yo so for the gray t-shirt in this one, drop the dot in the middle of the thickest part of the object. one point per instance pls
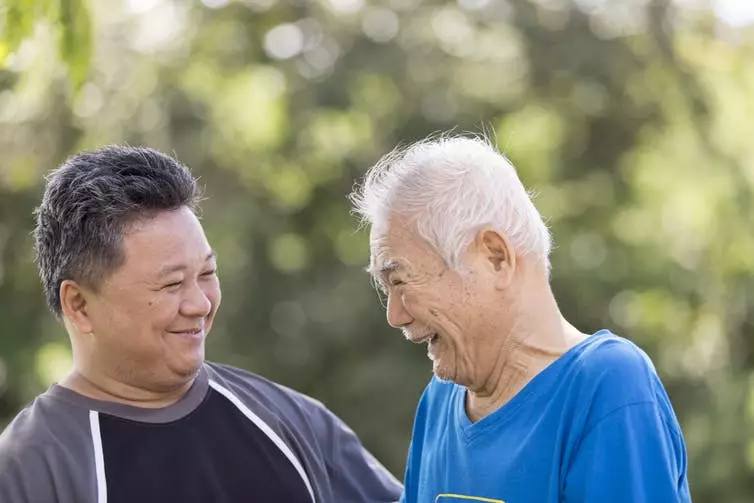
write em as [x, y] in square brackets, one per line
[234, 437]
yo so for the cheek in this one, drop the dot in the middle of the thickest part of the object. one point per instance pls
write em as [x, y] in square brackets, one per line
[158, 311]
[126, 328]
[416, 302]
[125, 313]
[426, 303]
[214, 294]
[455, 317]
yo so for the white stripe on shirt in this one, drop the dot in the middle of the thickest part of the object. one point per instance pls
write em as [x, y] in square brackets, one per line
[99, 459]
[267, 431]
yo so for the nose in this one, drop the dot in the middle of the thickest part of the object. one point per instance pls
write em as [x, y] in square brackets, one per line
[197, 303]
[397, 315]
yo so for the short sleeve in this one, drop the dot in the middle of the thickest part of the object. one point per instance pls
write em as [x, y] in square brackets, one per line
[25, 479]
[354, 472]
[410, 479]
[632, 455]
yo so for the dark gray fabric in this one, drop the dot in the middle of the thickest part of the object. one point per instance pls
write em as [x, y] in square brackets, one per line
[185, 405]
[47, 455]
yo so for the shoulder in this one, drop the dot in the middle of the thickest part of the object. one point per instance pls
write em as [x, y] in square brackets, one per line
[26, 430]
[612, 360]
[287, 405]
[237, 377]
[17, 437]
[44, 426]
[240, 380]
[606, 352]
[609, 372]
[45, 450]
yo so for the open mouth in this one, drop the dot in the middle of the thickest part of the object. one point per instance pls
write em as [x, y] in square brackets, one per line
[429, 338]
[191, 332]
[421, 339]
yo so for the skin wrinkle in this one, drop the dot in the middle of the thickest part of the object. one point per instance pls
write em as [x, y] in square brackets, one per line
[497, 323]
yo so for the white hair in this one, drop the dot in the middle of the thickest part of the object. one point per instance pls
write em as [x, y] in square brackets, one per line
[451, 187]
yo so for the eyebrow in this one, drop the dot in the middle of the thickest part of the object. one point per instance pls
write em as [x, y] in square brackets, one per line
[212, 255]
[384, 268]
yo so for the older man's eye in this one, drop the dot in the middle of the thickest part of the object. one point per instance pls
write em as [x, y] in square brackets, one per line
[397, 282]
[173, 285]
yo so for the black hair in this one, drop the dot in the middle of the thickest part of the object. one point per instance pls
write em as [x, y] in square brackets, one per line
[90, 200]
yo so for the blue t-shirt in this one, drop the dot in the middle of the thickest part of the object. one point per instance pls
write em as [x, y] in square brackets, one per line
[595, 426]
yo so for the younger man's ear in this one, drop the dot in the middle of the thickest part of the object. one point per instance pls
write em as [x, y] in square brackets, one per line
[73, 302]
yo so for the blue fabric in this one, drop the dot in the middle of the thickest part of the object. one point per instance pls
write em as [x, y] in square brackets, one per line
[595, 426]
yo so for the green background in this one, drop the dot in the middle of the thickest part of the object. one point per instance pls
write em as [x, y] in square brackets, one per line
[631, 120]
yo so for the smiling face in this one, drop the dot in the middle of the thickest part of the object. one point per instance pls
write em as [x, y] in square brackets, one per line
[460, 317]
[148, 319]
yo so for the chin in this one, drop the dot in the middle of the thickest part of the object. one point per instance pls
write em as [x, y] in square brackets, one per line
[451, 374]
[189, 365]
[193, 368]
[443, 373]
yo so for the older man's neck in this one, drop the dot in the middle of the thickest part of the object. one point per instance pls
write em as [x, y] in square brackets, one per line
[522, 357]
[112, 390]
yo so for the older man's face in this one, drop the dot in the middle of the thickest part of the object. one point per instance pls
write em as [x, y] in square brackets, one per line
[151, 316]
[433, 304]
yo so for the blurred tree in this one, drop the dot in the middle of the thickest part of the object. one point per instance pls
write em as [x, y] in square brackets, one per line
[70, 25]
[631, 121]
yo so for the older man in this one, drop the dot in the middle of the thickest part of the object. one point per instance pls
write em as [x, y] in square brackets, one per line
[523, 407]
[142, 418]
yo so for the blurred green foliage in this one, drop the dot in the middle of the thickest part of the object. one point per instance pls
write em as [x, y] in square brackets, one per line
[631, 120]
[66, 21]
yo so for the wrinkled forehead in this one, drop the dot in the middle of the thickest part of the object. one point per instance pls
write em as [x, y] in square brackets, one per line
[388, 239]
[380, 250]
[398, 246]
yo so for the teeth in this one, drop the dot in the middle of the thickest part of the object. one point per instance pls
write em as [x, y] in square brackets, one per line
[422, 339]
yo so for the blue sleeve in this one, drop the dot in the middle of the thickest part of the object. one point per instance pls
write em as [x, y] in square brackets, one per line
[416, 447]
[408, 495]
[630, 456]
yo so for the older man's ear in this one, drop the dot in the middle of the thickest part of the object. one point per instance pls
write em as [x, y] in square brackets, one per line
[494, 248]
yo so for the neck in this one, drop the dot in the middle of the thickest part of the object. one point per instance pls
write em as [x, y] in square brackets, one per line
[525, 352]
[101, 387]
